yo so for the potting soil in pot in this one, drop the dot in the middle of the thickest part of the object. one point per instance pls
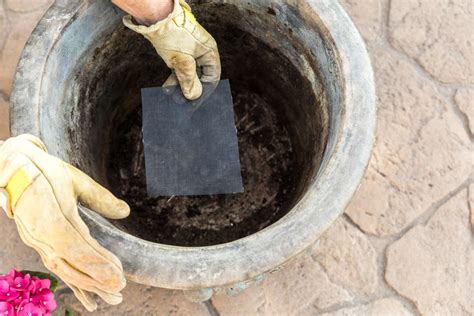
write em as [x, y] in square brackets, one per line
[266, 155]
[281, 123]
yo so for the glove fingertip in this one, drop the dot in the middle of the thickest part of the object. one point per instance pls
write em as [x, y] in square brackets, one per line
[112, 299]
[91, 307]
[122, 210]
[192, 96]
[195, 92]
[85, 298]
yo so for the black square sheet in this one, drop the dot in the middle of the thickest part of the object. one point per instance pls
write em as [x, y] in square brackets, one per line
[191, 148]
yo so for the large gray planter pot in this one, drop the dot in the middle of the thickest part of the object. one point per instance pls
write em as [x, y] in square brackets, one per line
[62, 93]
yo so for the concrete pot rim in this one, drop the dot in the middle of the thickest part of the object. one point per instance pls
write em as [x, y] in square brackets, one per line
[200, 267]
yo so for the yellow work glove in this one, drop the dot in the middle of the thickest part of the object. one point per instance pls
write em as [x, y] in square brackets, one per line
[183, 44]
[40, 192]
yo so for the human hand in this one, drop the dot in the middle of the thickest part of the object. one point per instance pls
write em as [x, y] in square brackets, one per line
[146, 12]
[184, 45]
[40, 193]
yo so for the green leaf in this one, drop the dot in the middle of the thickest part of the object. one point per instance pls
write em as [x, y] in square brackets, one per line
[68, 313]
[43, 275]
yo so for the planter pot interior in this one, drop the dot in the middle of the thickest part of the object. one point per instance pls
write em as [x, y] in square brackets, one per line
[281, 116]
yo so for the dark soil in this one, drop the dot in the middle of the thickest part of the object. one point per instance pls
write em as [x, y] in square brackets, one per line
[281, 129]
[266, 157]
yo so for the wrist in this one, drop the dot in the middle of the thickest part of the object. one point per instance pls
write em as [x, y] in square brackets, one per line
[159, 28]
[146, 12]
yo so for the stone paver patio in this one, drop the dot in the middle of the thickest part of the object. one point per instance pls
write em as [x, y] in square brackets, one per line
[405, 245]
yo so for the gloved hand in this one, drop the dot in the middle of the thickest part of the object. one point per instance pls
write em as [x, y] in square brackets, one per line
[40, 192]
[183, 44]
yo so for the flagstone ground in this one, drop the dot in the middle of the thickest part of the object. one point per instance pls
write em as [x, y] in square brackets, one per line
[405, 245]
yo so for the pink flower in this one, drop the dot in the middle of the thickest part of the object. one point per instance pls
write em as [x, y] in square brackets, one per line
[21, 283]
[6, 308]
[10, 276]
[7, 293]
[37, 285]
[45, 300]
[23, 295]
[30, 309]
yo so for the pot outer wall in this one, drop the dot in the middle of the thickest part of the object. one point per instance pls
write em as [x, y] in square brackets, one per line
[334, 59]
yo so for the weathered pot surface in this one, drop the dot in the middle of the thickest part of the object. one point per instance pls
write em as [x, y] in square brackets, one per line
[65, 92]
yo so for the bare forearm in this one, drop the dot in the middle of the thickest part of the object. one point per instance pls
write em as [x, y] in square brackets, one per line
[146, 12]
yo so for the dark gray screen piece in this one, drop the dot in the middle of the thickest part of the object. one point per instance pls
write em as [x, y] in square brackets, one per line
[191, 147]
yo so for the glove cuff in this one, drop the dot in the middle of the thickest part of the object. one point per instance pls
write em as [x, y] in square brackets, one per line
[18, 184]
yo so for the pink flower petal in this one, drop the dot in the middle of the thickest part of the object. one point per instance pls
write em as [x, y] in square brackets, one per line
[50, 305]
[4, 286]
[22, 299]
[30, 309]
[38, 286]
[9, 295]
[22, 283]
[6, 308]
[14, 273]
[45, 300]
[10, 276]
